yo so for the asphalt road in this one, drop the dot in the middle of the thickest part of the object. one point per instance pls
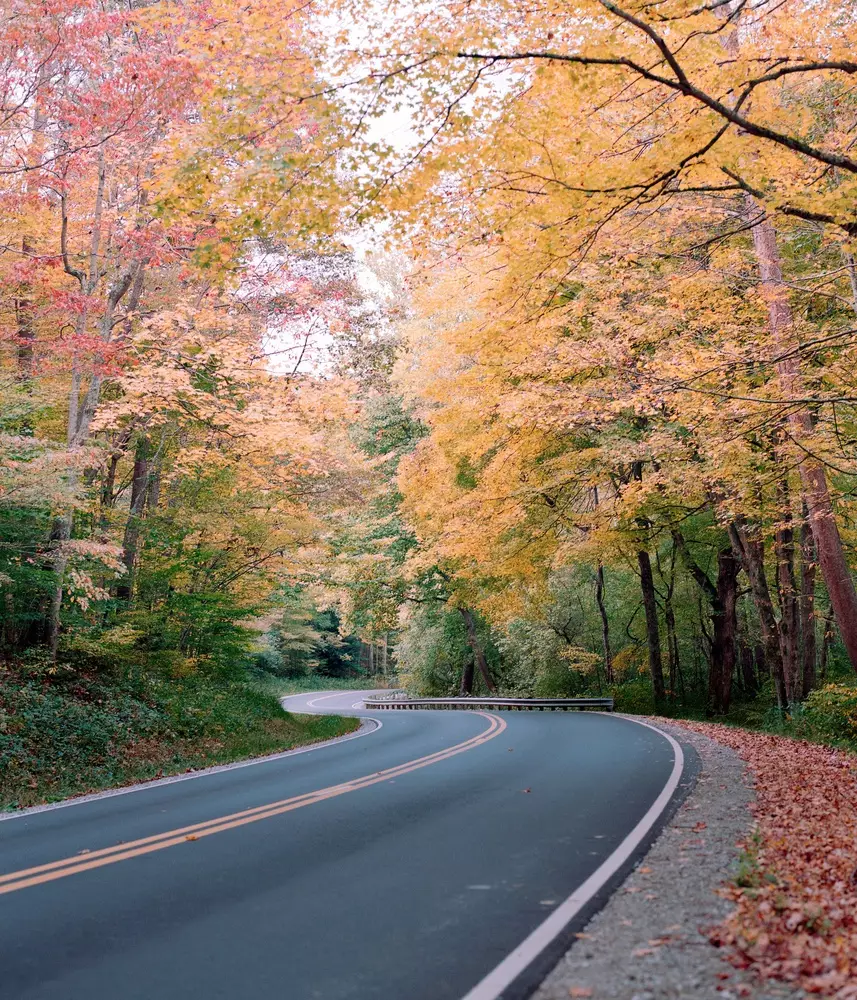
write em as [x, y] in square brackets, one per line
[406, 863]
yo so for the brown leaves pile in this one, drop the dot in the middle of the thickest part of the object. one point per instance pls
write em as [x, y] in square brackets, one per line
[796, 893]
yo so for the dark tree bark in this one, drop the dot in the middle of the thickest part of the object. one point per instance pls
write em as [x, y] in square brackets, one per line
[139, 487]
[476, 648]
[60, 534]
[827, 636]
[750, 552]
[807, 606]
[725, 627]
[466, 687]
[789, 610]
[748, 674]
[605, 626]
[653, 632]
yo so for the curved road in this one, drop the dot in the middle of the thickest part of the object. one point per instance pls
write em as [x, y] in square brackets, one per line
[442, 855]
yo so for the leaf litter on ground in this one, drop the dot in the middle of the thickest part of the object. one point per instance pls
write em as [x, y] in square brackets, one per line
[795, 893]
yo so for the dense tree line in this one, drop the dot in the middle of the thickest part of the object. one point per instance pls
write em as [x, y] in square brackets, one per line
[587, 422]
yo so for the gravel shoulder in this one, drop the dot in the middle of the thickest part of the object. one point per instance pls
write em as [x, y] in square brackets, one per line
[650, 941]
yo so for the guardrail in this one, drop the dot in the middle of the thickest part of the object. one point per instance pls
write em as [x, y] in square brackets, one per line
[501, 704]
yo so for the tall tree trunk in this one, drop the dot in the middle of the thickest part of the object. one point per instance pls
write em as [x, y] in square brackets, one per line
[748, 674]
[828, 543]
[653, 631]
[807, 605]
[24, 313]
[466, 687]
[476, 648]
[725, 627]
[139, 489]
[59, 536]
[605, 625]
[672, 644]
[827, 636]
[25, 353]
[789, 610]
[750, 552]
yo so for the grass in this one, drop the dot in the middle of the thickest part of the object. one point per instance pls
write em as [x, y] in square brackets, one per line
[69, 733]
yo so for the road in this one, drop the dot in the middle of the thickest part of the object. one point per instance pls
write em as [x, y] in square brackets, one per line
[409, 862]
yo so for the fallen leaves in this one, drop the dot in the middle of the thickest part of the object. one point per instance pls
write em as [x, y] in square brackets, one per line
[796, 897]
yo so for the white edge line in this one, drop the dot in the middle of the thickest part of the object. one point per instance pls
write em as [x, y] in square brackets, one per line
[367, 725]
[531, 947]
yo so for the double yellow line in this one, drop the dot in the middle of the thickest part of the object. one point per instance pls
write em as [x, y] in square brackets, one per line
[27, 877]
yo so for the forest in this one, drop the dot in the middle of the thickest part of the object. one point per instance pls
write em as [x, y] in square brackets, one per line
[475, 347]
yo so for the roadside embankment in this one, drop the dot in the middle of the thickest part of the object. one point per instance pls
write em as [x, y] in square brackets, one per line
[69, 734]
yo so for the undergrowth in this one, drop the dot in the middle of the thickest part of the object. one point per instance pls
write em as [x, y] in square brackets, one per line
[67, 732]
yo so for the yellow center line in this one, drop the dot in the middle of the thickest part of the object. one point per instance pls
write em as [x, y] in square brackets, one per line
[12, 881]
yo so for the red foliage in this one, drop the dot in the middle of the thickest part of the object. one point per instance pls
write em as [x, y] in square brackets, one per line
[796, 916]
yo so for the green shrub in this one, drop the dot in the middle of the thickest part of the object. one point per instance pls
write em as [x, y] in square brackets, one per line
[830, 713]
[62, 733]
[634, 697]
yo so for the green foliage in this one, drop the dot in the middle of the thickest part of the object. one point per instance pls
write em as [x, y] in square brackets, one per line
[433, 651]
[26, 575]
[538, 662]
[63, 732]
[306, 641]
[830, 714]
[634, 697]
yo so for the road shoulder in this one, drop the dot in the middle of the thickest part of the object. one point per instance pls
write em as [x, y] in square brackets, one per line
[650, 940]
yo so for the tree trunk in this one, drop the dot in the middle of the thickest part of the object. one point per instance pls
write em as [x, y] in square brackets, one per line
[139, 488]
[807, 606]
[60, 535]
[24, 314]
[750, 552]
[605, 626]
[653, 632]
[672, 644]
[25, 353]
[467, 678]
[748, 674]
[828, 543]
[725, 627]
[789, 612]
[476, 648]
[826, 642]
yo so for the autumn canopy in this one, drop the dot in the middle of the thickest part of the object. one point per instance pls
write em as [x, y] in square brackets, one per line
[511, 347]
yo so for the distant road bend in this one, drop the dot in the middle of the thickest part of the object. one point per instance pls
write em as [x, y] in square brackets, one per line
[440, 856]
